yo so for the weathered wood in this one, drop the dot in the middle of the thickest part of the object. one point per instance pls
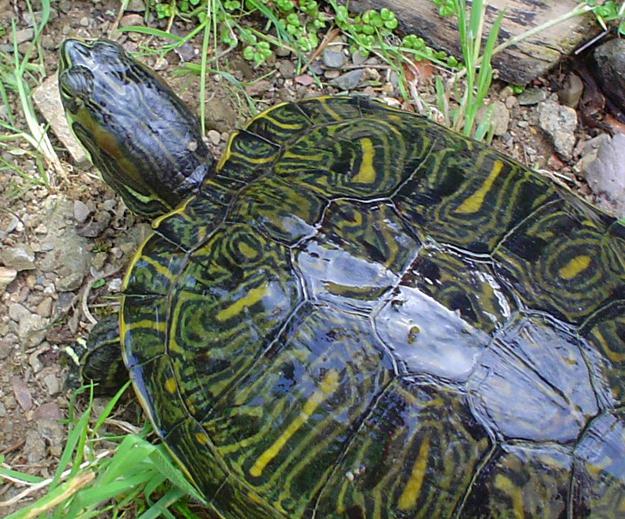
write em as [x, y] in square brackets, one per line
[518, 64]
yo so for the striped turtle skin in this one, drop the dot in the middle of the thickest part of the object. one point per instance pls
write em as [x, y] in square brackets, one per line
[361, 314]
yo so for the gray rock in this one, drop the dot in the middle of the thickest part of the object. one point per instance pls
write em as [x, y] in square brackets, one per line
[81, 211]
[220, 115]
[286, 69]
[531, 96]
[333, 58]
[606, 175]
[608, 61]
[31, 330]
[214, 136]
[22, 393]
[350, 80]
[44, 308]
[129, 20]
[48, 101]
[67, 254]
[281, 52]
[17, 311]
[52, 384]
[48, 411]
[316, 67]
[7, 276]
[24, 35]
[499, 117]
[35, 447]
[35, 364]
[6, 347]
[590, 150]
[358, 58]
[18, 257]
[571, 91]
[560, 123]
[136, 6]
[96, 225]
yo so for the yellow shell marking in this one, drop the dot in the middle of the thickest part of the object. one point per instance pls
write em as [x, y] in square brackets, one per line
[201, 438]
[503, 483]
[410, 494]
[366, 173]
[250, 299]
[574, 267]
[247, 251]
[170, 385]
[328, 385]
[474, 203]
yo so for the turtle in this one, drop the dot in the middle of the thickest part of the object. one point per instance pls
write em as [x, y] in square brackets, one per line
[357, 312]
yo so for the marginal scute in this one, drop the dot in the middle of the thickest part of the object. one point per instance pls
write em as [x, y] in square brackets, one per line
[413, 456]
[533, 383]
[165, 409]
[154, 267]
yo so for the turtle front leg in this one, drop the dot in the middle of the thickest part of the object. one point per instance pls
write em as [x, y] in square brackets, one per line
[101, 362]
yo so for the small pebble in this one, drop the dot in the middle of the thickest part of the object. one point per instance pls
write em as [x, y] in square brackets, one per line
[52, 384]
[304, 79]
[571, 91]
[22, 393]
[333, 58]
[7, 275]
[81, 211]
[349, 80]
[130, 20]
[214, 136]
[44, 308]
[286, 69]
[532, 96]
[18, 257]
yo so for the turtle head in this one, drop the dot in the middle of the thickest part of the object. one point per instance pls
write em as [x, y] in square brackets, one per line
[141, 136]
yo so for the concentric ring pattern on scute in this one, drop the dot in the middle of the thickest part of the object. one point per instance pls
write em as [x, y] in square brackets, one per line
[365, 315]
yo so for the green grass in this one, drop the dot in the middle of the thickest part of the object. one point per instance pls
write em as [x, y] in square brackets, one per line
[17, 74]
[105, 474]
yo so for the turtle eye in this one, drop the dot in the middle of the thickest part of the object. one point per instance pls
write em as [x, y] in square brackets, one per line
[108, 53]
[77, 82]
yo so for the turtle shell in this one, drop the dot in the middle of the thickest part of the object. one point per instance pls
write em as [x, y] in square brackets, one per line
[363, 314]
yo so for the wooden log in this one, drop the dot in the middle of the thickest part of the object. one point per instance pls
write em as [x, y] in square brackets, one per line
[518, 64]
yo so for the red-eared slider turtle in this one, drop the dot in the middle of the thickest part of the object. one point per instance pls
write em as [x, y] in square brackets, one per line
[359, 313]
